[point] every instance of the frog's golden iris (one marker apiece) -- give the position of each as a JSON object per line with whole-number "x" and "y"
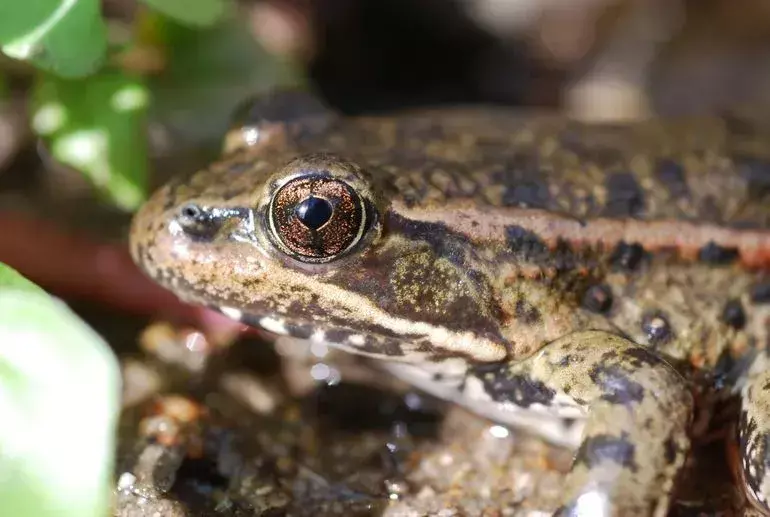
{"x": 316, "y": 218}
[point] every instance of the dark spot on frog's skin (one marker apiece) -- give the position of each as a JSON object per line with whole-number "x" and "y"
{"x": 671, "y": 174}
{"x": 671, "y": 450}
{"x": 625, "y": 198}
{"x": 603, "y": 447}
{"x": 657, "y": 328}
{"x": 443, "y": 241}
{"x": 729, "y": 370}
{"x": 525, "y": 242}
{"x": 712, "y": 253}
{"x": 598, "y": 298}
{"x": 410, "y": 199}
{"x": 529, "y": 246}
{"x": 565, "y": 259}
{"x": 756, "y": 173}
{"x": 503, "y": 386}
{"x": 734, "y": 315}
{"x": 760, "y": 293}
{"x": 638, "y": 357}
{"x": 525, "y": 186}
{"x": 616, "y": 385}
{"x": 527, "y": 313}
{"x": 528, "y": 194}
{"x": 627, "y": 257}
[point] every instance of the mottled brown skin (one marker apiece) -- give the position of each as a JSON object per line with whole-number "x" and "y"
{"x": 545, "y": 269}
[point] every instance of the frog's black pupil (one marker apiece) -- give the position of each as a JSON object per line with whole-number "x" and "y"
{"x": 314, "y": 212}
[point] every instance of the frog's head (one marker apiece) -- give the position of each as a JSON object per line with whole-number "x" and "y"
{"x": 315, "y": 247}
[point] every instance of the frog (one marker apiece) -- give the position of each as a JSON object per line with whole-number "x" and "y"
{"x": 600, "y": 285}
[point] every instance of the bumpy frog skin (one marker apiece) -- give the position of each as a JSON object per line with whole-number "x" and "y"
{"x": 591, "y": 283}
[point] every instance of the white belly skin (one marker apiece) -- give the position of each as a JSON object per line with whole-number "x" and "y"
{"x": 562, "y": 426}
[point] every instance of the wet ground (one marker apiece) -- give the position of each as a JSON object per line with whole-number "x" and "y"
{"x": 254, "y": 433}
{"x": 260, "y": 430}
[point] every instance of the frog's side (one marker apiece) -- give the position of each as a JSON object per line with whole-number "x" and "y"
{"x": 535, "y": 269}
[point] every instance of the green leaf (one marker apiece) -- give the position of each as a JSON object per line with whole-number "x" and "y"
{"x": 59, "y": 400}
{"x": 198, "y": 13}
{"x": 211, "y": 73}
{"x": 11, "y": 279}
{"x": 97, "y": 126}
{"x": 67, "y": 37}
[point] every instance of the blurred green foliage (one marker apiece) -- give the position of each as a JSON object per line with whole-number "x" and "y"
{"x": 100, "y": 81}
{"x": 198, "y": 13}
{"x": 59, "y": 404}
{"x": 96, "y": 126}
{"x": 67, "y": 37}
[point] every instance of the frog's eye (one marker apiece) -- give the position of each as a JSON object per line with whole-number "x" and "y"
{"x": 316, "y": 218}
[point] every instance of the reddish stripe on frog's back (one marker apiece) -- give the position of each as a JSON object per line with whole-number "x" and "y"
{"x": 689, "y": 240}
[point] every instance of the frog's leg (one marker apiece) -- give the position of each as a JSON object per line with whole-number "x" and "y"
{"x": 754, "y": 432}
{"x": 638, "y": 410}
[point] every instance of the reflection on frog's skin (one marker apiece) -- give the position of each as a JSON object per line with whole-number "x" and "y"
{"x": 538, "y": 271}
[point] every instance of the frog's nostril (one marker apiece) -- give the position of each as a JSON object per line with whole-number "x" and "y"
{"x": 191, "y": 211}
{"x": 195, "y": 218}
{"x": 197, "y": 221}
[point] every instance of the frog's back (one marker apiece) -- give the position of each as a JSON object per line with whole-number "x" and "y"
{"x": 706, "y": 170}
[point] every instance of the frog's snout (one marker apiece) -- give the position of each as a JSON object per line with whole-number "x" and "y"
{"x": 189, "y": 246}
{"x": 167, "y": 236}
{"x": 149, "y": 233}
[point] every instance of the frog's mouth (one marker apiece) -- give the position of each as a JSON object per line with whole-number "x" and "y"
{"x": 410, "y": 349}
{"x": 363, "y": 343}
